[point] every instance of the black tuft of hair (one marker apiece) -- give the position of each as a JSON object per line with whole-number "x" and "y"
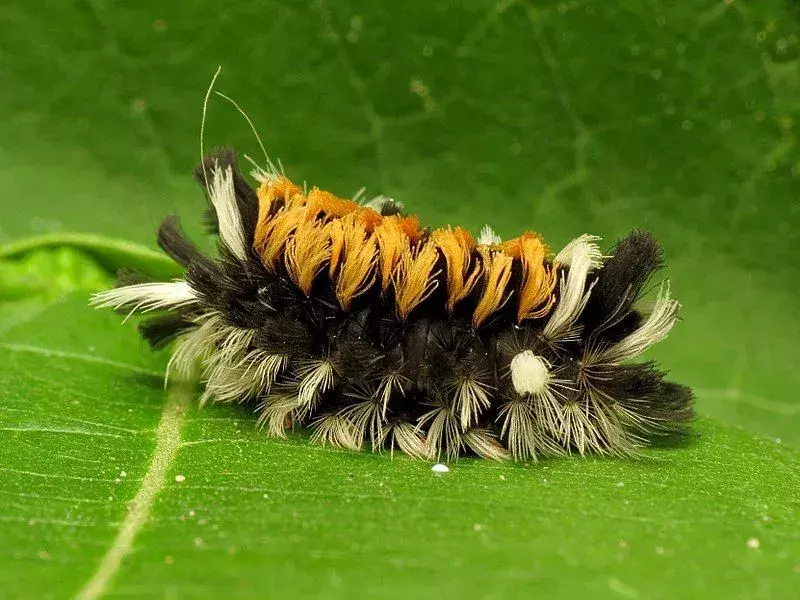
{"x": 126, "y": 277}
{"x": 282, "y": 335}
{"x": 609, "y": 314}
{"x": 174, "y": 242}
{"x": 160, "y": 330}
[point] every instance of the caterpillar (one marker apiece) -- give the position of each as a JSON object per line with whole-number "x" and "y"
{"x": 347, "y": 316}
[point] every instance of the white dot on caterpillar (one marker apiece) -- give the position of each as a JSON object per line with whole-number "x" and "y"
{"x": 753, "y": 543}
{"x": 529, "y": 373}
{"x": 180, "y": 478}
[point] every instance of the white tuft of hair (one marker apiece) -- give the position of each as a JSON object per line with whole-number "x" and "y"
{"x": 582, "y": 255}
{"x": 530, "y": 373}
{"x": 317, "y": 378}
{"x": 582, "y": 245}
{"x": 484, "y": 444}
{"x": 336, "y": 430}
{"x": 223, "y": 197}
{"x": 470, "y": 399}
{"x": 144, "y": 297}
{"x": 653, "y": 330}
{"x": 406, "y": 438}
{"x": 488, "y": 237}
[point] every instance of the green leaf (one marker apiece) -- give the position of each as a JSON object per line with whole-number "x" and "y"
{"x": 111, "y": 485}
{"x": 565, "y": 117}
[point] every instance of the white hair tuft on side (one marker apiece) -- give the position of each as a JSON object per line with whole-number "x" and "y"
{"x": 223, "y": 197}
{"x": 144, "y": 297}
{"x": 652, "y": 331}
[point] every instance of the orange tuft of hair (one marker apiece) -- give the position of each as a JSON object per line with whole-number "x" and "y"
{"x": 456, "y": 245}
{"x": 538, "y": 280}
{"x": 496, "y": 274}
{"x": 331, "y": 205}
{"x": 414, "y": 278}
{"x": 353, "y": 258}
{"x": 271, "y": 238}
{"x": 410, "y": 226}
{"x": 369, "y": 217}
{"x": 392, "y": 242}
{"x": 306, "y": 253}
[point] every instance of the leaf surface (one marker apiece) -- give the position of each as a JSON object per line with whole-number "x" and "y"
{"x": 111, "y": 485}
{"x": 564, "y": 117}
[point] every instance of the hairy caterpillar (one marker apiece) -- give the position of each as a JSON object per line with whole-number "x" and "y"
{"x": 352, "y": 319}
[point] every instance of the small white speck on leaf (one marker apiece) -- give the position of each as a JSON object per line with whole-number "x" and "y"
{"x": 502, "y": 477}
{"x": 198, "y": 541}
{"x": 439, "y": 468}
{"x": 620, "y": 484}
{"x": 191, "y": 513}
{"x": 753, "y": 543}
{"x": 180, "y": 478}
{"x": 478, "y": 527}
{"x": 123, "y": 474}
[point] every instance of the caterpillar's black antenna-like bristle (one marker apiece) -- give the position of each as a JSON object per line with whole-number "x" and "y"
{"x": 173, "y": 241}
{"x": 160, "y": 330}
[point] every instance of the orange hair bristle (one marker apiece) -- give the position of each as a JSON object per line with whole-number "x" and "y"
{"x": 535, "y": 292}
{"x": 497, "y": 272}
{"x": 307, "y": 251}
{"x": 354, "y": 266}
{"x": 392, "y": 242}
{"x": 457, "y": 245}
{"x": 361, "y": 246}
{"x": 414, "y": 277}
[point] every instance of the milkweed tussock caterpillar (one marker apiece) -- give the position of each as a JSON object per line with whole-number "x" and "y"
{"x": 354, "y": 320}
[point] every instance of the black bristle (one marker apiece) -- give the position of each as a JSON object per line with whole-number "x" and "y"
{"x": 160, "y": 330}
{"x": 282, "y": 335}
{"x": 389, "y": 207}
{"x": 174, "y": 242}
{"x": 620, "y": 283}
{"x": 641, "y": 389}
{"x": 675, "y": 404}
{"x": 357, "y": 360}
{"x": 126, "y": 277}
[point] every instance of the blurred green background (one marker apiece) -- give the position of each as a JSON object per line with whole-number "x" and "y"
{"x": 564, "y": 117}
